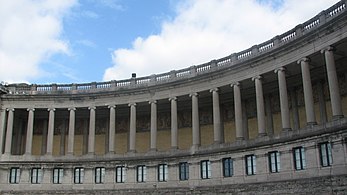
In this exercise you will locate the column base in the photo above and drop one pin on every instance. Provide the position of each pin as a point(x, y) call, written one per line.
point(240, 138)
point(152, 150)
point(262, 134)
point(286, 129)
point(337, 117)
point(131, 151)
point(174, 148)
point(311, 124)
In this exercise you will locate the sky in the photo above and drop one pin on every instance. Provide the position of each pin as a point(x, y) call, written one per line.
point(78, 41)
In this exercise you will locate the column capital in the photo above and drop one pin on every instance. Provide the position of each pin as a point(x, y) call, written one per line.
point(329, 48)
point(92, 108)
point(51, 109)
point(31, 109)
point(193, 94)
point(132, 104)
point(111, 106)
point(305, 59)
point(72, 108)
point(173, 98)
point(214, 90)
point(152, 101)
point(236, 83)
point(10, 109)
point(280, 69)
point(258, 77)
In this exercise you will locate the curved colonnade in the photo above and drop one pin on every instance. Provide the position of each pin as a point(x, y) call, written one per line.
point(274, 112)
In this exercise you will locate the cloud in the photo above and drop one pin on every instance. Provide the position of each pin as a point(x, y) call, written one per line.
point(30, 33)
point(203, 30)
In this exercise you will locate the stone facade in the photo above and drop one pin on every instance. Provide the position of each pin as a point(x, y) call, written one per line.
point(267, 120)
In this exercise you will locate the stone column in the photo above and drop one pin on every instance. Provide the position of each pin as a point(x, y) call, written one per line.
point(217, 127)
point(308, 94)
point(9, 131)
point(153, 104)
point(132, 133)
point(295, 111)
point(268, 112)
point(44, 137)
point(71, 136)
point(174, 134)
point(238, 111)
point(260, 105)
point(91, 136)
point(2, 129)
point(195, 120)
point(30, 131)
point(322, 106)
point(112, 129)
point(50, 133)
point(283, 98)
point(334, 90)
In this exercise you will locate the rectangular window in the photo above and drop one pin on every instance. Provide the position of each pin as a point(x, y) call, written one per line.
point(274, 162)
point(326, 157)
point(184, 171)
point(205, 169)
point(58, 174)
point(78, 175)
point(36, 175)
point(251, 164)
point(299, 158)
point(141, 173)
point(120, 174)
point(227, 167)
point(100, 175)
point(14, 175)
point(162, 172)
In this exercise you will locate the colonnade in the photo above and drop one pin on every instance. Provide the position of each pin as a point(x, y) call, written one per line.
point(218, 136)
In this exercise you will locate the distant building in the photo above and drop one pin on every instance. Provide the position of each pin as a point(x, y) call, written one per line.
point(267, 120)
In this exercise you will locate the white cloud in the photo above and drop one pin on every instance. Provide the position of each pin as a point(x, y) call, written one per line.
point(29, 33)
point(207, 29)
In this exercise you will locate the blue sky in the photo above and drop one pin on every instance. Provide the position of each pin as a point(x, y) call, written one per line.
point(71, 41)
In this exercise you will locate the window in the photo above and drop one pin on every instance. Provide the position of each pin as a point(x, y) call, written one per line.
point(99, 174)
point(141, 173)
point(299, 158)
point(205, 168)
point(162, 172)
point(184, 171)
point(120, 174)
point(79, 175)
point(36, 175)
point(14, 175)
point(251, 165)
point(227, 167)
point(58, 174)
point(326, 157)
point(274, 162)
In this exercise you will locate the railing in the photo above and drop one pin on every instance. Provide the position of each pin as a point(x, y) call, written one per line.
point(192, 71)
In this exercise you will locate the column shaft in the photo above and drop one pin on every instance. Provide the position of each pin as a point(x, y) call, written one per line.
point(112, 129)
point(30, 129)
point(2, 129)
point(132, 133)
point(217, 126)
point(153, 125)
point(174, 134)
point(91, 137)
point(50, 134)
point(195, 120)
point(9, 131)
point(334, 90)
point(308, 94)
point(238, 111)
point(260, 105)
point(71, 136)
point(283, 98)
